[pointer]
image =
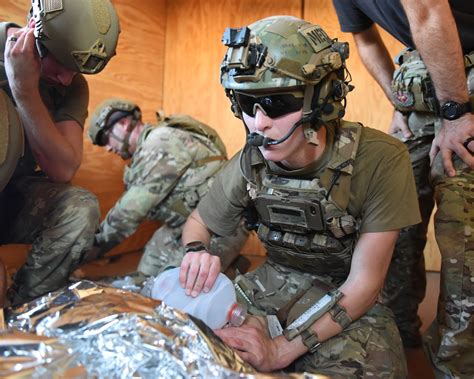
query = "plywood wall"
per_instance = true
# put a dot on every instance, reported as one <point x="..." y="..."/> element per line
<point x="168" y="58"/>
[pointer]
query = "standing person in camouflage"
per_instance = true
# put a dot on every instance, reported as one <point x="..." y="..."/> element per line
<point x="41" y="67"/>
<point x="172" y="166"/>
<point x="433" y="117"/>
<point x="326" y="195"/>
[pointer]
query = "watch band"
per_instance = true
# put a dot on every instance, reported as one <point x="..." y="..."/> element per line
<point x="310" y="340"/>
<point x="194" y="246"/>
<point x="338" y="314"/>
<point x="452" y="110"/>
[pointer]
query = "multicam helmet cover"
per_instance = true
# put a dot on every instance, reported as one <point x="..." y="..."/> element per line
<point x="104" y="118"/>
<point x="284" y="53"/>
<point x="81" y="34"/>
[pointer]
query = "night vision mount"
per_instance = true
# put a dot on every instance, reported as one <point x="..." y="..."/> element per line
<point x="243" y="58"/>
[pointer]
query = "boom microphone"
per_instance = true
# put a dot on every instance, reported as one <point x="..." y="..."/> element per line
<point x="257" y="140"/>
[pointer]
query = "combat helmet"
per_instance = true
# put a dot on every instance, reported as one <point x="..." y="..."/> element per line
<point x="11" y="139"/>
<point x="106" y="115"/>
<point x="81" y="34"/>
<point x="283" y="54"/>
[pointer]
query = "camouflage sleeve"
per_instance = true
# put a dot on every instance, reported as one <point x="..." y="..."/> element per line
<point x="156" y="168"/>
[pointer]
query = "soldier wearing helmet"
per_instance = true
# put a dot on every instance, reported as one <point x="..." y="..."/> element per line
<point x="326" y="197"/>
<point x="172" y="166"/>
<point x="41" y="69"/>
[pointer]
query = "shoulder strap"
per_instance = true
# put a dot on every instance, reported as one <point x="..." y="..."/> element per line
<point x="192" y="125"/>
<point x="336" y="178"/>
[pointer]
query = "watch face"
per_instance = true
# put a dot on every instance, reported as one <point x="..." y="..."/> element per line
<point x="451" y="111"/>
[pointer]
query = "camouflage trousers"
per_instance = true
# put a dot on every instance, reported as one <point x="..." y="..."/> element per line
<point x="369" y="347"/>
<point x="165" y="249"/>
<point x="451" y="338"/>
<point x="405" y="284"/>
<point x="58" y="220"/>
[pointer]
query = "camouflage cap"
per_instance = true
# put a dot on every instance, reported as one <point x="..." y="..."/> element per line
<point x="11" y="139"/>
<point x="103" y="117"/>
<point x="81" y="34"/>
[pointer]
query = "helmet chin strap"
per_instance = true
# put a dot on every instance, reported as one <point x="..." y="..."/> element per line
<point x="310" y="134"/>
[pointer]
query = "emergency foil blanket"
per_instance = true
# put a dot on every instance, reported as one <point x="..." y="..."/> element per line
<point x="93" y="331"/>
<point x="89" y="330"/>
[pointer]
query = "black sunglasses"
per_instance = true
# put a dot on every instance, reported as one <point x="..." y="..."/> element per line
<point x="274" y="105"/>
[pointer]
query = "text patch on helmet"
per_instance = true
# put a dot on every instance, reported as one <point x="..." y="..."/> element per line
<point x="316" y="37"/>
<point x="52" y="6"/>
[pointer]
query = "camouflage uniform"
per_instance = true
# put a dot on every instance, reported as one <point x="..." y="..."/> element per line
<point x="310" y="217"/>
<point x="450" y="338"/>
<point x="58" y="220"/>
<point x="414" y="94"/>
<point x="369" y="346"/>
<point x="406" y="280"/>
<point x="170" y="171"/>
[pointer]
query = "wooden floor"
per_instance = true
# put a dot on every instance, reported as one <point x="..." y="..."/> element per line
<point x="118" y="265"/>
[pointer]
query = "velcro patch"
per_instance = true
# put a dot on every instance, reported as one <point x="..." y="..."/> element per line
<point x="101" y="13"/>
<point x="53" y="6"/>
<point x="316" y="37"/>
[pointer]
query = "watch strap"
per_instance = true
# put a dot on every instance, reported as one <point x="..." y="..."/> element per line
<point x="461" y="109"/>
<point x="194" y="246"/>
<point x="466" y="107"/>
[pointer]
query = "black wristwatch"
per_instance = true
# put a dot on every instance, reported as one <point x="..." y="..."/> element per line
<point x="451" y="110"/>
<point x="194" y="246"/>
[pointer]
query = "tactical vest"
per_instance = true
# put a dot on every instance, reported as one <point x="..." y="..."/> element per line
<point x="412" y="87"/>
<point x="303" y="223"/>
<point x="175" y="209"/>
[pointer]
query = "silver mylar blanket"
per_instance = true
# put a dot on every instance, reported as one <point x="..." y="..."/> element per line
<point x="89" y="330"/>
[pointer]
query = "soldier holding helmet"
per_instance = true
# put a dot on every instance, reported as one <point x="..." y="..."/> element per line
<point x="41" y="70"/>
